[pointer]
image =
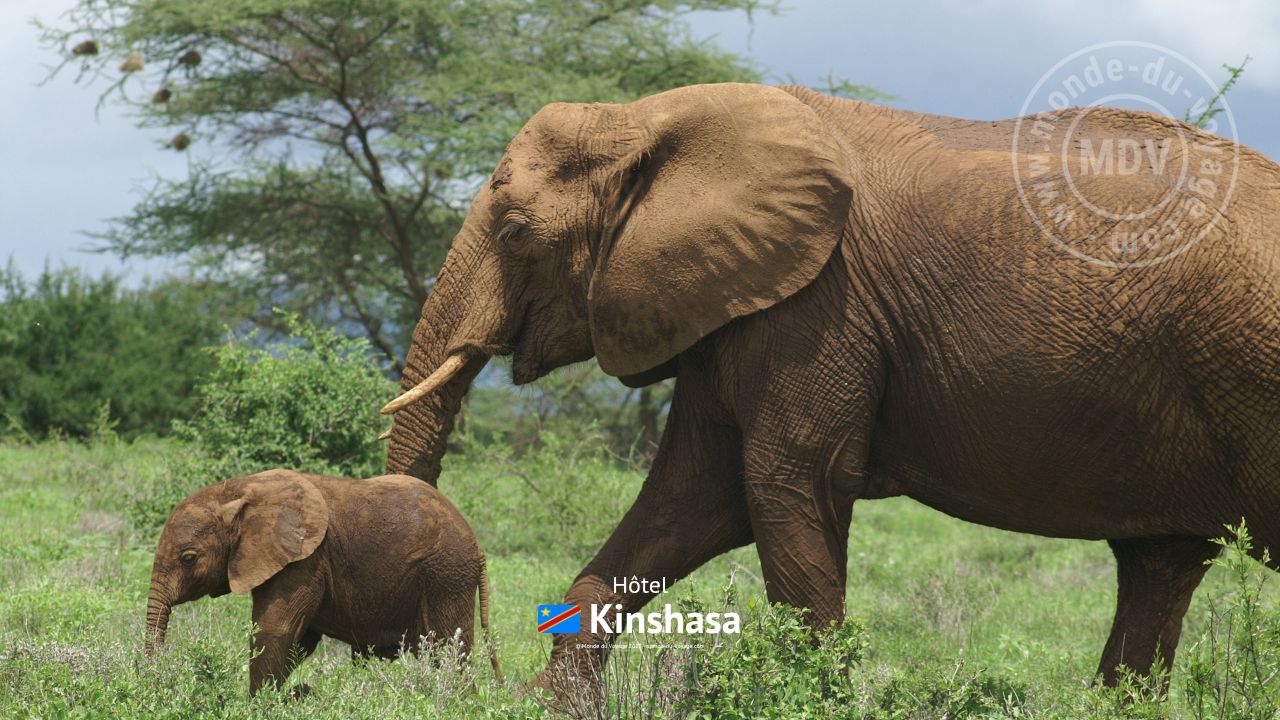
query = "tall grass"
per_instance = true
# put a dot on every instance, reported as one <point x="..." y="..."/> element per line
<point x="948" y="620"/>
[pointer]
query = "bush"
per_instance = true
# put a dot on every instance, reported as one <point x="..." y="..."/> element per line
<point x="72" y="345"/>
<point x="775" y="670"/>
<point x="308" y="404"/>
<point x="1233" y="673"/>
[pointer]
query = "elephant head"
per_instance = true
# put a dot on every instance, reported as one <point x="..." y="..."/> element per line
<point x="627" y="232"/>
<point x="232" y="537"/>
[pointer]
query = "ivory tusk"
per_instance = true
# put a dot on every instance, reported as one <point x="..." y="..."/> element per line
<point x="447" y="370"/>
<point x="385" y="433"/>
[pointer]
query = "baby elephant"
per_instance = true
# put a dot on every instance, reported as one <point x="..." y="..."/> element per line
<point x="374" y="563"/>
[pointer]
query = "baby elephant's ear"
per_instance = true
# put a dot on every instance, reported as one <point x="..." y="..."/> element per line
<point x="278" y="517"/>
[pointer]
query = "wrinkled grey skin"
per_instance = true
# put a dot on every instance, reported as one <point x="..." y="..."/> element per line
<point x="855" y="304"/>
<point x="377" y="564"/>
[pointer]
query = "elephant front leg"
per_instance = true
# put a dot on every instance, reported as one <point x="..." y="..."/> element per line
<point x="275" y="656"/>
<point x="690" y="509"/>
<point x="802" y="533"/>
<point x="1157" y="577"/>
<point x="282" y="610"/>
<point x="805" y="464"/>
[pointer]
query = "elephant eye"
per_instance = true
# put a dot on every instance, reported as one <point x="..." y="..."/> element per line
<point x="188" y="557"/>
<point x="510" y="233"/>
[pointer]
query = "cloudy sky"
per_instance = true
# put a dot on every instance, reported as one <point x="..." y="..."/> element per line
<point x="63" y="173"/>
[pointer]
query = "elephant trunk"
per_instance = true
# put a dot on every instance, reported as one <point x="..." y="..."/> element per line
<point x="157" y="622"/>
<point x="451" y="344"/>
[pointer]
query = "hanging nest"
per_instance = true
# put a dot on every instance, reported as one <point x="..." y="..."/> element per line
<point x="180" y="142"/>
<point x="190" y="58"/>
<point x="162" y="96"/>
<point x="88" y="47"/>
<point x="133" y="63"/>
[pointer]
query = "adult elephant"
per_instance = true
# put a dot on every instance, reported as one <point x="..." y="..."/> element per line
<point x="856" y="304"/>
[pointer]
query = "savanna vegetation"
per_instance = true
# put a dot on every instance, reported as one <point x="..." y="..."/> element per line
<point x="334" y="146"/>
<point x="947" y="619"/>
<point x="77" y="351"/>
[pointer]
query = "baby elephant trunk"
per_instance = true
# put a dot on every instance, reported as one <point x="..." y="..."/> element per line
<point x="157" y="622"/>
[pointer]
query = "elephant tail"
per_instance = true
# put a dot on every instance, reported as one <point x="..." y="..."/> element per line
<point x="484" y="616"/>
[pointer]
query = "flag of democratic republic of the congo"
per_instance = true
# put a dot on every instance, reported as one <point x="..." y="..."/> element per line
<point x="556" y="619"/>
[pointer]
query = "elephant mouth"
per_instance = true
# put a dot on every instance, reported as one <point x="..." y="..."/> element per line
<point x="525" y="366"/>
<point x="525" y="373"/>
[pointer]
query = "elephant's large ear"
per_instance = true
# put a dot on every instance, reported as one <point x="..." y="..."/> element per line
<point x="735" y="201"/>
<point x="278" y="517"/>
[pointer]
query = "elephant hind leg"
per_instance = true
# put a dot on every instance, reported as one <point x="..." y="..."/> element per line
<point x="1156" y="578"/>
<point x="450" y="618"/>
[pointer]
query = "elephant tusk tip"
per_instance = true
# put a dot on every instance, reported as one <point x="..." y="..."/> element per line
<point x="433" y="382"/>
<point x="385" y="434"/>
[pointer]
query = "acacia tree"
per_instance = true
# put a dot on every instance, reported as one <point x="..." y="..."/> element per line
<point x="335" y="142"/>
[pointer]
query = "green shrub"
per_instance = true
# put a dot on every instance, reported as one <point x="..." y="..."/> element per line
<point x="775" y="670"/>
<point x="72" y="345"/>
<point x="1233" y="672"/>
<point x="309" y="404"/>
<point x="957" y="691"/>
<point x="152" y="500"/>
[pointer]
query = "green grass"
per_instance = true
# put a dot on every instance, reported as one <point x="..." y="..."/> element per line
<point x="960" y="620"/>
